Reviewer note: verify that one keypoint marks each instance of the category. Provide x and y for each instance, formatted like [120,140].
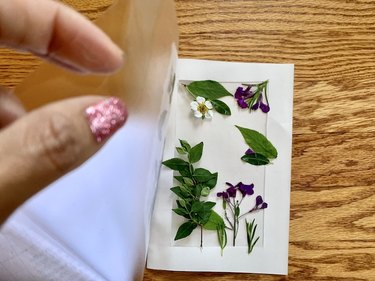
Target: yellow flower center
[202,108]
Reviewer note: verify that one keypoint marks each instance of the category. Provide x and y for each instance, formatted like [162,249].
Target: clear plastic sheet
[100,213]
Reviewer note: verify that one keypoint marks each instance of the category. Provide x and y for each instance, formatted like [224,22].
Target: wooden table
[332,44]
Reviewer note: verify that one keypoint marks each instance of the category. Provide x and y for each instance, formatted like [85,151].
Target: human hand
[39,147]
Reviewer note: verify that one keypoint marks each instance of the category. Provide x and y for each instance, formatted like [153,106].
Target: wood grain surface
[332,44]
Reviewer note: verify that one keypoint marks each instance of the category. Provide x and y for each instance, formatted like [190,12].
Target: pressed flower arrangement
[195,183]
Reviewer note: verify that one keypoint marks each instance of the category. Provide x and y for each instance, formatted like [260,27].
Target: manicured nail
[106,117]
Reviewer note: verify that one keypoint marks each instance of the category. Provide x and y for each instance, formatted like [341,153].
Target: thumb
[44,145]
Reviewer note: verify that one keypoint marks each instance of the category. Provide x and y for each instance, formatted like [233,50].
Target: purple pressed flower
[239,93]
[264,107]
[255,106]
[249,152]
[246,189]
[242,95]
[264,205]
[242,103]
[223,194]
[258,200]
[245,97]
[232,191]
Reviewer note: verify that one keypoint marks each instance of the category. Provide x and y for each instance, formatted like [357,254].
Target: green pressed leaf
[179,179]
[206,177]
[222,237]
[258,143]
[205,191]
[185,230]
[221,107]
[256,159]
[182,203]
[181,150]
[213,181]
[176,164]
[201,211]
[177,190]
[208,89]
[185,189]
[195,153]
[188,181]
[237,211]
[185,145]
[208,205]
[180,212]
[214,221]
[202,175]
[185,172]
[197,206]
[198,190]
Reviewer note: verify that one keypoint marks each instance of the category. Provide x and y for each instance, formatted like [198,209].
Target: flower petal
[232,191]
[208,104]
[242,103]
[258,200]
[200,100]
[209,114]
[255,106]
[246,189]
[264,107]
[194,105]
[249,152]
[198,114]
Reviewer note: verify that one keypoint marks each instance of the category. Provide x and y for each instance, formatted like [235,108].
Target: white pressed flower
[202,108]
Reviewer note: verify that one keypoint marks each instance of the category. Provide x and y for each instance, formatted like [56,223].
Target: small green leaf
[179,179]
[222,237]
[177,190]
[256,159]
[208,205]
[176,164]
[197,206]
[185,230]
[185,189]
[185,172]
[214,221]
[205,191]
[201,211]
[198,190]
[180,212]
[221,107]
[195,153]
[185,145]
[188,181]
[258,143]
[181,150]
[206,177]
[213,181]
[237,211]
[182,203]
[208,89]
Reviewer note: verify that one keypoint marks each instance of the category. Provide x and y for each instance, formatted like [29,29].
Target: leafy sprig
[251,229]
[194,185]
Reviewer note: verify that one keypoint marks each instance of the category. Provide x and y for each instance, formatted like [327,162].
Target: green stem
[201,237]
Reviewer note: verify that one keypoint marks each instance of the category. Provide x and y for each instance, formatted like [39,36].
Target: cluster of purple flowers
[244,189]
[231,204]
[247,98]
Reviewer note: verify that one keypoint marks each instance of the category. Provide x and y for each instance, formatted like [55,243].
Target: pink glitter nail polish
[106,117]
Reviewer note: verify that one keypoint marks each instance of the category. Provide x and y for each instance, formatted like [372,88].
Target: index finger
[58,33]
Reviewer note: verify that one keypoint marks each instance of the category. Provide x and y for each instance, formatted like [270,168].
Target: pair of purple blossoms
[245,189]
[244,99]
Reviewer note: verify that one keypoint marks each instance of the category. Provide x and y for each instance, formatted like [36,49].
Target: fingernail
[106,117]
